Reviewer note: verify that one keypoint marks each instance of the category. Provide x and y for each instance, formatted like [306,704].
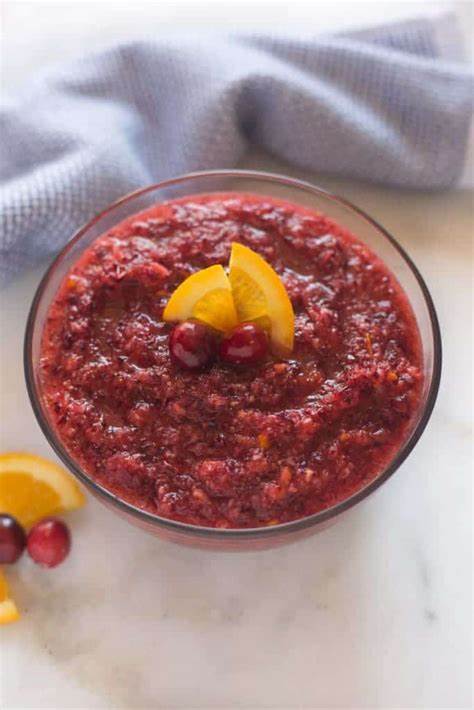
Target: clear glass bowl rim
[300,524]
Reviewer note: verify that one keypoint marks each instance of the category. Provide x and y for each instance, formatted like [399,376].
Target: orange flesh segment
[26,499]
[32,487]
[8,610]
[259,293]
[205,295]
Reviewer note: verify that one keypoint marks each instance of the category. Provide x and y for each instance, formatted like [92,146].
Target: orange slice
[8,610]
[32,487]
[206,296]
[260,296]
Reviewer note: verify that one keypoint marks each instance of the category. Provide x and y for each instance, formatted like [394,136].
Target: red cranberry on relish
[192,345]
[12,539]
[49,542]
[246,344]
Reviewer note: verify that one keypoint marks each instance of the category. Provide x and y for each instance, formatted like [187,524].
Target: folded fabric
[386,105]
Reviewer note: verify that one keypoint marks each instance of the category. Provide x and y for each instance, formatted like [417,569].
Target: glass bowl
[337,208]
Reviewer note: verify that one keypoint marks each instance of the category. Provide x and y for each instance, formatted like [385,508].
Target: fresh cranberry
[49,542]
[192,345]
[12,539]
[246,344]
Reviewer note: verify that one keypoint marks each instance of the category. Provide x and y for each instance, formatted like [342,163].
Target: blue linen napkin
[386,105]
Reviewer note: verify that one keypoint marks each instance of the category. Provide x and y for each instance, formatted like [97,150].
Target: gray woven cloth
[386,105]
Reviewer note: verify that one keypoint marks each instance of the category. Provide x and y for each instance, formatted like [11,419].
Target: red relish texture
[231,447]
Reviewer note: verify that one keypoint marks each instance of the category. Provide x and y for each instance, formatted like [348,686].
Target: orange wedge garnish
[260,296]
[8,610]
[253,292]
[32,488]
[206,296]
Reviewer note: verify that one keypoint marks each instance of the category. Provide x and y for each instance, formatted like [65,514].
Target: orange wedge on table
[8,610]
[252,292]
[32,487]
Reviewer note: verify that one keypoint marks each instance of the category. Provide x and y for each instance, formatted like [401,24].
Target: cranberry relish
[231,446]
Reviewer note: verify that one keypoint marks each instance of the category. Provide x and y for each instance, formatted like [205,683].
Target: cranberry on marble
[49,542]
[12,539]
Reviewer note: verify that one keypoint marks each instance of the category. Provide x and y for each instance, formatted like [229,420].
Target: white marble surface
[374,612]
